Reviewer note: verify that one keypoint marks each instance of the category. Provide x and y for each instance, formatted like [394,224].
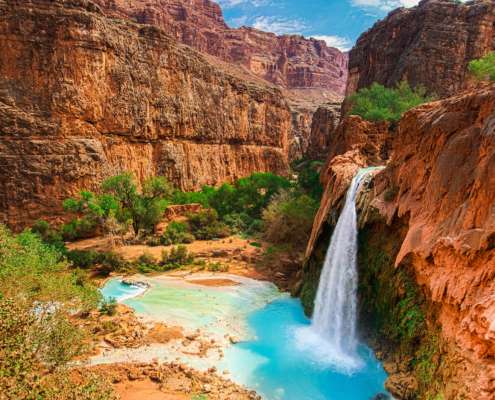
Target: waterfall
[335,312]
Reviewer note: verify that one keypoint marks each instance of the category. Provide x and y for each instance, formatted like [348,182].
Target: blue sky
[339,22]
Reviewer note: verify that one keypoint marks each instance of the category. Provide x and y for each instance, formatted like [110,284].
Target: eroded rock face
[428,45]
[84,97]
[355,144]
[290,61]
[427,228]
[323,125]
[442,173]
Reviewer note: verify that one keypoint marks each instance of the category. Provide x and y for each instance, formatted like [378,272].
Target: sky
[338,22]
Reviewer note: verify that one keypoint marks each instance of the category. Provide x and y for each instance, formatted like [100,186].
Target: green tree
[288,219]
[378,103]
[484,68]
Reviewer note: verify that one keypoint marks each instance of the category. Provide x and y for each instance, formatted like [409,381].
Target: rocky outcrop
[291,61]
[355,144]
[427,253]
[323,125]
[428,45]
[83,97]
[441,177]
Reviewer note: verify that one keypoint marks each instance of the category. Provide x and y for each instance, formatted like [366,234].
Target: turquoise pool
[280,359]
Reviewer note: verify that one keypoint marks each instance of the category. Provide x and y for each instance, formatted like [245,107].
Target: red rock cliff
[291,61]
[439,190]
[428,45]
[83,97]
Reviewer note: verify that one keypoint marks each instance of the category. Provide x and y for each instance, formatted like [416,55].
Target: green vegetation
[206,225]
[38,292]
[239,206]
[483,69]
[119,206]
[177,233]
[289,219]
[378,103]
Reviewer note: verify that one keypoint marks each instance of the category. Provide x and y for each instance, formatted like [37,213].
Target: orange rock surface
[441,174]
[85,97]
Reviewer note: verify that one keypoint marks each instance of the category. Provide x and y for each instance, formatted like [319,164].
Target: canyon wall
[429,45]
[83,97]
[427,249]
[290,61]
[308,71]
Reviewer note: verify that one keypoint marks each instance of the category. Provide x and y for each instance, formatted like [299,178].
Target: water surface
[281,357]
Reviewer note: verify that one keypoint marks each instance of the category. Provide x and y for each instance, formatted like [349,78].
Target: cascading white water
[335,311]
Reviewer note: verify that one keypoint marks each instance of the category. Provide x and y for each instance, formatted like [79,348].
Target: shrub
[240,204]
[79,228]
[484,68]
[177,257]
[378,103]
[205,225]
[36,271]
[217,267]
[35,350]
[289,219]
[37,338]
[49,235]
[177,233]
[308,178]
[147,259]
[84,258]
[109,307]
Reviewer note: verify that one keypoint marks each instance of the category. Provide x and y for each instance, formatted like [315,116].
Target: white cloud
[341,43]
[279,26]
[385,5]
[235,3]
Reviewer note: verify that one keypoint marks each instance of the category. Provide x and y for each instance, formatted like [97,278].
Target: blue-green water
[283,368]
[283,359]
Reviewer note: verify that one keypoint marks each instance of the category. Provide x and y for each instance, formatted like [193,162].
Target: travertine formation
[428,45]
[83,97]
[439,189]
[291,61]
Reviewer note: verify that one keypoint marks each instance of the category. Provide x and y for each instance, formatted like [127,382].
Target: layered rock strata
[84,97]
[429,45]
[291,61]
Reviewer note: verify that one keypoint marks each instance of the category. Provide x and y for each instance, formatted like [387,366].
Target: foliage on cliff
[378,103]
[483,69]
[37,340]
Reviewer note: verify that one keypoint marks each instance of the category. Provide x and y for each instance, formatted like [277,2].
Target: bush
[79,228]
[177,233]
[109,307]
[84,258]
[37,338]
[147,259]
[289,219]
[217,267]
[308,178]
[105,262]
[205,225]
[378,103]
[177,257]
[49,235]
[484,68]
